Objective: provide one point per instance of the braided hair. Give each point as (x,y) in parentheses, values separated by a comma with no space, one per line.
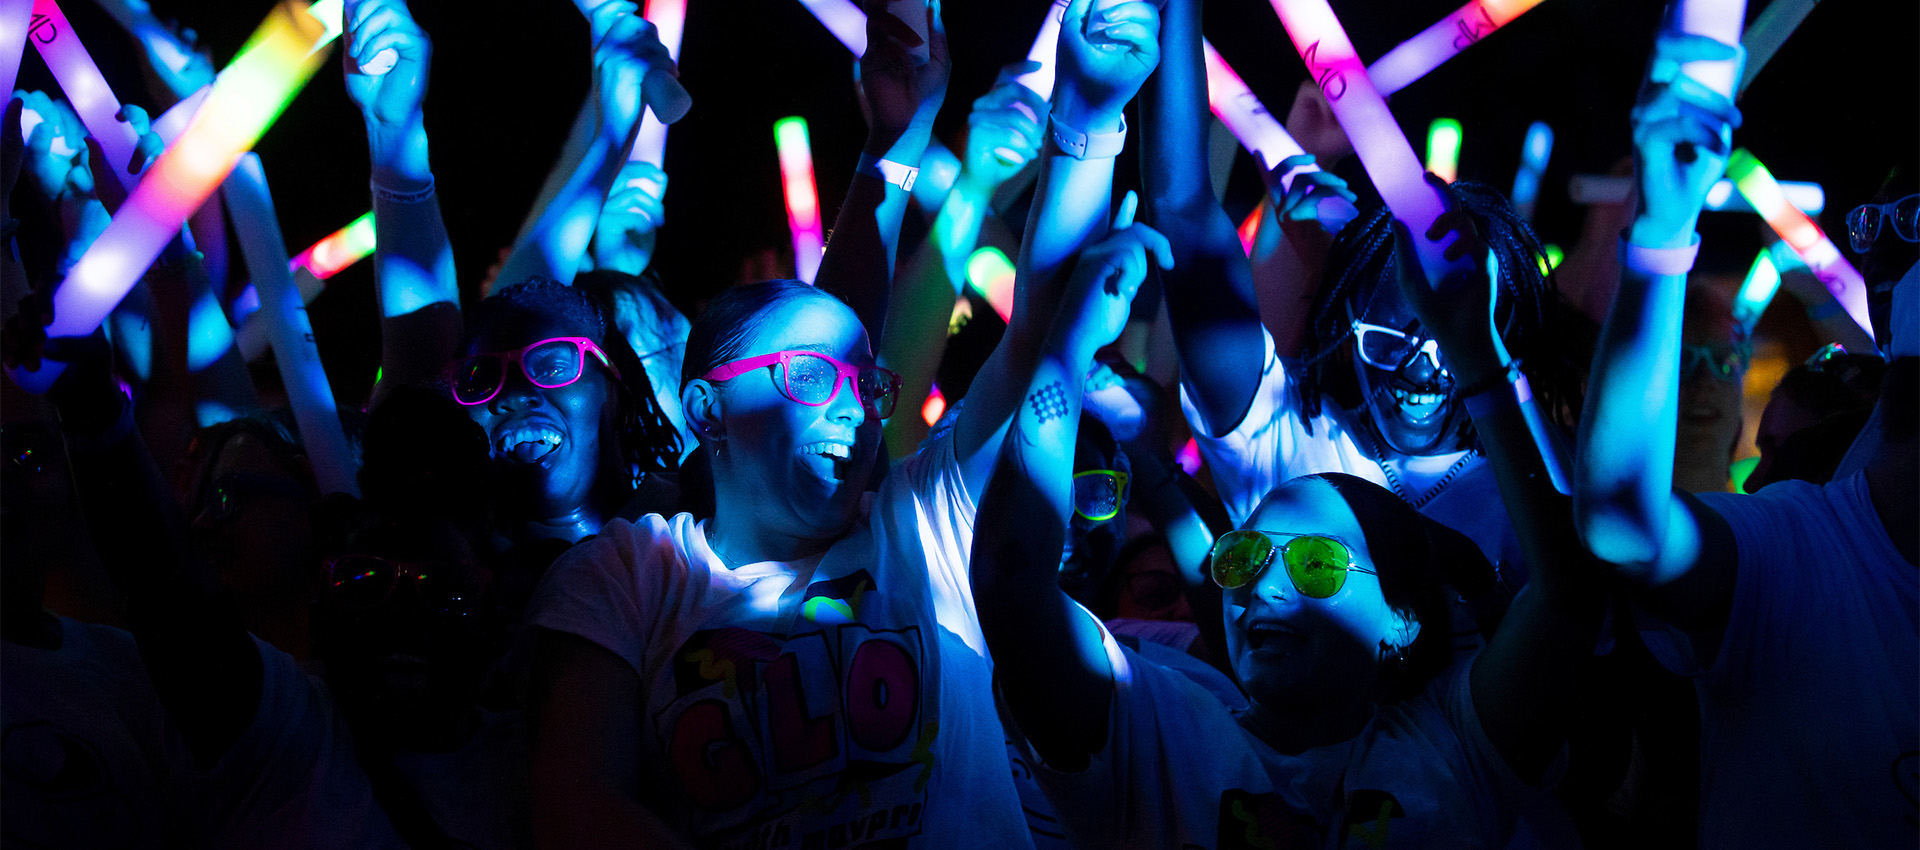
(1364,258)
(648,442)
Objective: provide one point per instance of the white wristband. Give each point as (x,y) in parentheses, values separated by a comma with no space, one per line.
(1659,261)
(1079,145)
(887,170)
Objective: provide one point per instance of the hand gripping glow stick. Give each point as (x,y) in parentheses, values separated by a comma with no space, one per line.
(86,90)
(803,201)
(1721,21)
(992,275)
(288,328)
(1443,148)
(275,63)
(1763,280)
(338,250)
(1363,113)
(1809,198)
(1533,163)
(15,16)
(1046,44)
(669,18)
(1413,58)
(1769,31)
(1800,232)
(844,20)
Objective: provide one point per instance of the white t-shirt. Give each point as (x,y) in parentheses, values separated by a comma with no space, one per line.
(87,757)
(1178,771)
(1810,710)
(835,701)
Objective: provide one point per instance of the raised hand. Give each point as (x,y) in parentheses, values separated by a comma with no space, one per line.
(1459,310)
(1003,130)
(904,78)
(625,48)
(389,97)
(1300,202)
(1106,51)
(1682,133)
(56,148)
(1099,296)
(623,239)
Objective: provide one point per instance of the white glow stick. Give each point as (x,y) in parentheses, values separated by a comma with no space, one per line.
(288,328)
(1416,56)
(85,89)
(1809,198)
(844,20)
(15,15)
(669,18)
(1362,112)
(1721,21)
(1534,154)
(1769,31)
(1045,45)
(174,120)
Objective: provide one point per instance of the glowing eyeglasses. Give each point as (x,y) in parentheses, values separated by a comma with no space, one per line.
(366,581)
(1317,564)
(813,379)
(1863,223)
(1389,349)
(548,364)
(1722,362)
(1098,494)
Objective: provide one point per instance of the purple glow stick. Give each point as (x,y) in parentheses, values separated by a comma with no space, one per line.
(176,119)
(15,16)
(844,20)
(85,89)
(1413,58)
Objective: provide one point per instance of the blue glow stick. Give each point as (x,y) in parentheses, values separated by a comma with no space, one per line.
(1534,154)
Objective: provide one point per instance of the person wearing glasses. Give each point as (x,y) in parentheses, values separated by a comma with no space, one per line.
(1795,609)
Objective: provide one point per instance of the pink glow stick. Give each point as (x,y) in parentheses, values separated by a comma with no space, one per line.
(85,89)
(1720,20)
(669,17)
(844,20)
(1416,56)
(1801,233)
(1045,45)
(934,407)
(803,200)
(15,16)
(1362,112)
(340,249)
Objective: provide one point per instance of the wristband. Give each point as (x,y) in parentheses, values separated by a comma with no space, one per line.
(1514,392)
(887,170)
(392,197)
(1659,261)
(1079,145)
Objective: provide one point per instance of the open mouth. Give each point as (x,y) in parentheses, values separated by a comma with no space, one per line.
(1270,636)
(830,458)
(1417,406)
(526,443)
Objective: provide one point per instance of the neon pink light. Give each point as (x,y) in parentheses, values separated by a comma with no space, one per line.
(803,200)
(1416,56)
(85,89)
(1237,107)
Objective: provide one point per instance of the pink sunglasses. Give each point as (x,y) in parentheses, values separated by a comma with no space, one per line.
(548,364)
(813,379)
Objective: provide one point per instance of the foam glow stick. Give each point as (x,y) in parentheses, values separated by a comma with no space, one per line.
(171,122)
(1249,121)
(803,201)
(1045,45)
(85,89)
(1769,31)
(1533,163)
(1249,229)
(338,250)
(934,407)
(1720,20)
(1800,232)
(288,329)
(1363,113)
(1443,148)
(1809,198)
(669,18)
(1413,58)
(15,17)
(844,20)
(275,63)
(1763,280)
(992,275)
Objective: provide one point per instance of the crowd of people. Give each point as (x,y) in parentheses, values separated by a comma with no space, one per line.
(604,575)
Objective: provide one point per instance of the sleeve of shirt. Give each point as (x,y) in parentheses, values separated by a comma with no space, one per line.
(607,589)
(1245,459)
(926,516)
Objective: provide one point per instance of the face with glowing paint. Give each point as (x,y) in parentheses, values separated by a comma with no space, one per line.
(796,466)
(1289,649)
(548,444)
(1407,392)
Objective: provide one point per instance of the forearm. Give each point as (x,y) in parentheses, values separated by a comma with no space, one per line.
(217,376)
(858,264)
(560,225)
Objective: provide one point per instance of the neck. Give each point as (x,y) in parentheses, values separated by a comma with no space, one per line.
(571,526)
(1301,725)
(738,538)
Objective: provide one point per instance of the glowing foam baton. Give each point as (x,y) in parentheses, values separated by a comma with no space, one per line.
(1721,21)
(172,122)
(1413,58)
(1809,198)
(1363,113)
(844,20)
(992,275)
(1443,148)
(803,201)
(1822,257)
(669,19)
(1249,121)
(338,250)
(1046,44)
(15,17)
(1769,31)
(1763,280)
(275,63)
(1533,163)
(85,89)
(934,407)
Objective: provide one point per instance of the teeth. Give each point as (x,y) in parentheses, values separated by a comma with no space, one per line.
(1416,398)
(837,451)
(528,434)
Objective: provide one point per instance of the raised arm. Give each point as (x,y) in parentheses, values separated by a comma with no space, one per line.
(905,82)
(1624,502)
(1049,657)
(412,259)
(1103,58)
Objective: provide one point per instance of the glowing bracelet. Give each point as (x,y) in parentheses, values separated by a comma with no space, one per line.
(803,200)
(1046,45)
(1533,163)
(1376,137)
(1721,21)
(85,89)
(1802,234)
(1413,58)
(15,16)
(844,20)
(1763,280)
(669,19)
(288,328)
(1809,198)
(992,275)
(1443,148)
(1769,31)
(338,250)
(1659,261)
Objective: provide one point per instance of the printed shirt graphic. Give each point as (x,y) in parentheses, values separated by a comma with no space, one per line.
(834,702)
(1178,771)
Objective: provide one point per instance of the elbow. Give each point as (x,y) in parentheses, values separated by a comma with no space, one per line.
(1622,530)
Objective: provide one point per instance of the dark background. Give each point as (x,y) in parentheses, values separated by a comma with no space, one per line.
(1838,105)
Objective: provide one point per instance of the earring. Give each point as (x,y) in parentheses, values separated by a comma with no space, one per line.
(1395,656)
